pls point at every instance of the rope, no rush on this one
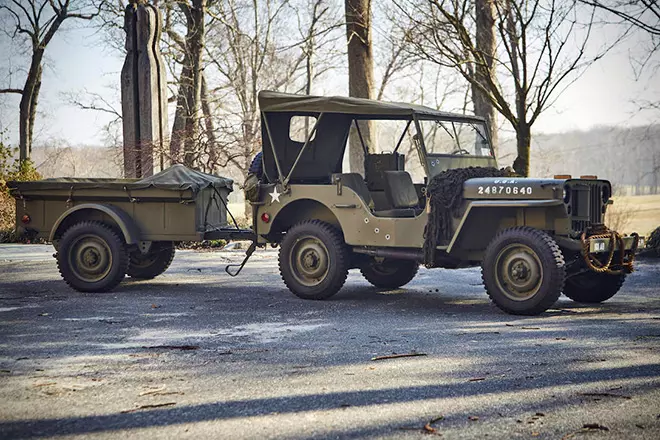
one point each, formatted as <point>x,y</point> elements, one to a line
<point>610,267</point>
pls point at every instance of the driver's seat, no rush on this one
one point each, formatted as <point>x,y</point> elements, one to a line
<point>400,191</point>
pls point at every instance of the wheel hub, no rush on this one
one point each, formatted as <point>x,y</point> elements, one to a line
<point>90,258</point>
<point>310,261</point>
<point>519,272</point>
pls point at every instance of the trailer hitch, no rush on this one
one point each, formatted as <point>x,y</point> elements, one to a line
<point>248,254</point>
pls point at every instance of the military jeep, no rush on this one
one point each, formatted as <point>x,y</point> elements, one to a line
<point>534,238</point>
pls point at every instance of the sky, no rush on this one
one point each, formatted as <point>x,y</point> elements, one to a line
<point>78,60</point>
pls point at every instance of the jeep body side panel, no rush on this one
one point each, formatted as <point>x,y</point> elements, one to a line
<point>341,206</point>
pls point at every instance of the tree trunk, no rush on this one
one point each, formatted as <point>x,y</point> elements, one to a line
<point>360,72</point>
<point>209,128</point>
<point>486,47</point>
<point>523,141</point>
<point>28,105</point>
<point>185,130</point>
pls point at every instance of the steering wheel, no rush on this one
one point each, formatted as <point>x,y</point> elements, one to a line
<point>461,151</point>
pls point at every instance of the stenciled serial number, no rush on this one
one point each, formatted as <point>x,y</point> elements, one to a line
<point>501,189</point>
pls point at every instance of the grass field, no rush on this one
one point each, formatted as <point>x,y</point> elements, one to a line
<point>635,214</point>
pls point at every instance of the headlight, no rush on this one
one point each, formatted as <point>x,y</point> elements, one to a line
<point>566,194</point>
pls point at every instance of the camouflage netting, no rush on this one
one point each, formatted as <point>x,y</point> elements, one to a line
<point>446,199</point>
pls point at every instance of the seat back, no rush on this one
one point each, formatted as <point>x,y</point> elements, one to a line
<point>356,182</point>
<point>400,190</point>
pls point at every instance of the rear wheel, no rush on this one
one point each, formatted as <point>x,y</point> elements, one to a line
<point>313,260</point>
<point>389,273</point>
<point>523,271</point>
<point>591,287</point>
<point>91,257</point>
<point>150,265</point>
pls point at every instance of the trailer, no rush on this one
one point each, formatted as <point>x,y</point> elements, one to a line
<point>104,229</point>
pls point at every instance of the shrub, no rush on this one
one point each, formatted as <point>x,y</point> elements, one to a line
<point>11,169</point>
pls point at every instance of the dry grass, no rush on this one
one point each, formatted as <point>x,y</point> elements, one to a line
<point>634,214</point>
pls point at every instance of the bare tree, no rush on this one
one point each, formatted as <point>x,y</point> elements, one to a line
<point>38,21</point>
<point>360,71</point>
<point>543,50</point>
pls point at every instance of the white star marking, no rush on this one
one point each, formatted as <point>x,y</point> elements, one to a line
<point>274,196</point>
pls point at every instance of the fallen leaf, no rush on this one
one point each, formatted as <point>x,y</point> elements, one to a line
<point>431,429</point>
<point>158,405</point>
<point>5,371</point>
<point>44,314</point>
<point>154,306</point>
<point>45,384</point>
<point>587,427</point>
<point>476,379</point>
<point>531,328</point>
<point>535,434</point>
<point>473,418</point>
<point>540,414</point>
<point>396,356</point>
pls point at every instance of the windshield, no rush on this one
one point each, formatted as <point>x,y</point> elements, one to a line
<point>455,138</point>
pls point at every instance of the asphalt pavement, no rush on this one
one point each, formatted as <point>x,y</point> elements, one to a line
<point>195,353</point>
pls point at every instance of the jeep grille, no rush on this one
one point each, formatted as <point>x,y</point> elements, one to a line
<point>585,203</point>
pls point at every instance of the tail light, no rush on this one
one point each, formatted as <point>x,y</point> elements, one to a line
<point>265,217</point>
<point>25,219</point>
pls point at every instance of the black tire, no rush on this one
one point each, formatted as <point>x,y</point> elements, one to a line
<point>257,165</point>
<point>154,263</point>
<point>523,271</point>
<point>92,257</point>
<point>313,260</point>
<point>591,287</point>
<point>390,273</point>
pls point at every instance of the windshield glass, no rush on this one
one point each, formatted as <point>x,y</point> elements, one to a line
<point>455,138</point>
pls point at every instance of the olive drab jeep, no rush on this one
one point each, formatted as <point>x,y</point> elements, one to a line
<point>534,238</point>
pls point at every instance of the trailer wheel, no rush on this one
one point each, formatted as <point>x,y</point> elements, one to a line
<point>313,260</point>
<point>389,273</point>
<point>591,287</point>
<point>523,271</point>
<point>92,257</point>
<point>150,265</point>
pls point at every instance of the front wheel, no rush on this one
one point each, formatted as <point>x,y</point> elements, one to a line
<point>389,273</point>
<point>313,260</point>
<point>523,271</point>
<point>91,257</point>
<point>591,287</point>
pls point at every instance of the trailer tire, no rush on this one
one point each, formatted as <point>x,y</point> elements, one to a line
<point>150,265</point>
<point>92,257</point>
<point>523,271</point>
<point>313,260</point>
<point>592,288</point>
<point>391,273</point>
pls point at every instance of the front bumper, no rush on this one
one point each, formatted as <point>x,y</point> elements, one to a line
<point>602,245</point>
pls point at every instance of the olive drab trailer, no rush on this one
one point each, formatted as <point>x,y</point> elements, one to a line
<point>103,229</point>
<point>534,238</point>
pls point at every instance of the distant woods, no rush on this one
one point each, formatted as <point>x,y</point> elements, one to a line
<point>505,60</point>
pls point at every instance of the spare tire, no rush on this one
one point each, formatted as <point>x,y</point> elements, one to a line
<point>257,165</point>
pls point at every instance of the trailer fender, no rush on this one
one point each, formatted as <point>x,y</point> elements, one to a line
<point>123,221</point>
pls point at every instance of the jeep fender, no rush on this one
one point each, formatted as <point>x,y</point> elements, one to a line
<point>128,228</point>
<point>484,218</point>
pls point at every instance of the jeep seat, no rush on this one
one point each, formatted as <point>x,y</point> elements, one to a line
<point>356,182</point>
<point>400,190</point>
